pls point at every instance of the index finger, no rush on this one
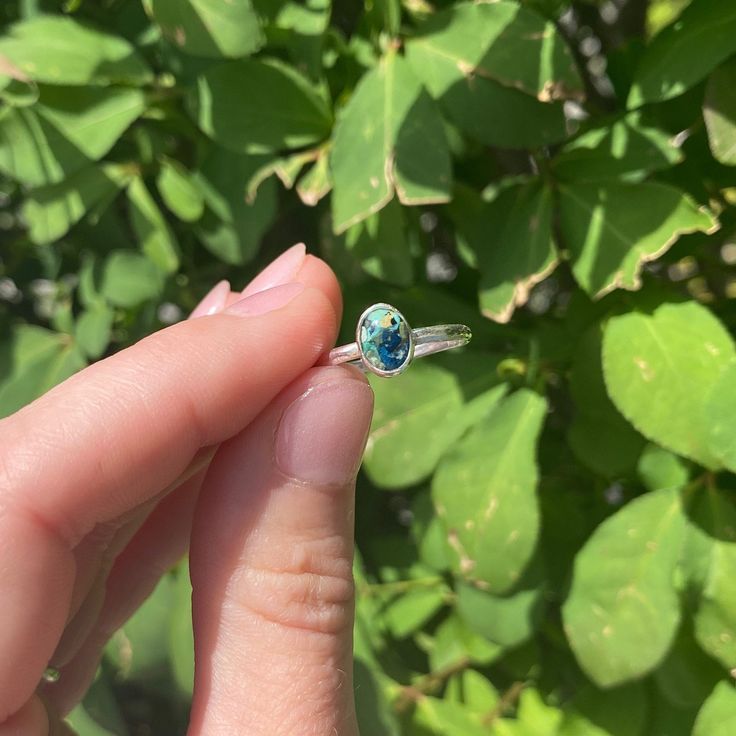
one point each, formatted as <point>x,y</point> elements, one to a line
<point>111,437</point>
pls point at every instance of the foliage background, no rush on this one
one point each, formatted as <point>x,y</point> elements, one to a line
<point>546,524</point>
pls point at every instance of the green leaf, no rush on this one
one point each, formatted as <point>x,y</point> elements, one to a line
<point>379,243</point>
<point>685,52</point>
<point>455,641</point>
<point>61,50</point>
<point>93,330</point>
<point>371,685</point>
<point>485,493</point>
<point>91,119</point>
<point>389,138</point>
<point>287,168</point>
<point>306,19</point>
<point>233,226</point>
<point>18,91</point>
<point>517,251</point>
<point>506,621</point>
<point>719,111</point>
<point>130,278</point>
<point>253,106</point>
<point>210,28</point>
<point>533,717</point>
<point>410,610</point>
<point>417,417</point>
<point>658,468</point>
<point>720,405</point>
<point>99,713</point>
<point>179,191</point>
<point>618,712</point>
<point>316,182</point>
<point>462,55</point>
<point>496,115</point>
<point>717,717</point>
<point>84,725</point>
<point>372,706</point>
<point>65,131</point>
<point>625,148</point>
<point>181,637</point>
<point>155,237</point>
<point>478,39</point>
<point>429,534</point>
<point>33,361</point>
<point>34,152</point>
<point>612,229</point>
<point>139,649</point>
<point>52,210</point>
<point>664,720</point>
<point>473,690</point>
<point>710,565</point>
<point>651,364</point>
<point>600,437</point>
<point>435,717</point>
<point>622,612</point>
<point>687,675</point>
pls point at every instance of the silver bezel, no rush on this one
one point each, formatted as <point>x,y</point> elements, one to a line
<point>366,363</point>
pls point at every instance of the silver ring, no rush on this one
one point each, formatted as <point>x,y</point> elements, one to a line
<point>385,344</point>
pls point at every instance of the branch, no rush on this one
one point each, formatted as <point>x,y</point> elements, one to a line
<point>505,703</point>
<point>429,683</point>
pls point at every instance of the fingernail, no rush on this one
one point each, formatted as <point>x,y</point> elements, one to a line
<point>214,300</point>
<point>281,271</point>
<point>322,434</point>
<point>266,301</point>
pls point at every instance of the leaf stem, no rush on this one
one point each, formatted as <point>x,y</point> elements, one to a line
<point>429,683</point>
<point>398,586</point>
<point>505,703</point>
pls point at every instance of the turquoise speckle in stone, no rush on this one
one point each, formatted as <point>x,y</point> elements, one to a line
<point>384,339</point>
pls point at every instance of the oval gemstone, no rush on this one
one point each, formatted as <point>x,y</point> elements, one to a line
<point>385,339</point>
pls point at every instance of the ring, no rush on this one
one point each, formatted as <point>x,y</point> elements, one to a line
<point>385,344</point>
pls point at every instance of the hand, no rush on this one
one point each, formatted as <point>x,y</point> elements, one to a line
<point>218,430</point>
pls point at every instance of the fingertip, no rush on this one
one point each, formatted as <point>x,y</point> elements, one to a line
<point>281,270</point>
<point>322,433</point>
<point>317,273</point>
<point>214,300</point>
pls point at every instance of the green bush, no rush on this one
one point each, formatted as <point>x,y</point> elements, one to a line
<point>546,523</point>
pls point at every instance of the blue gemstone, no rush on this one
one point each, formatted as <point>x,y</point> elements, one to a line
<point>385,339</point>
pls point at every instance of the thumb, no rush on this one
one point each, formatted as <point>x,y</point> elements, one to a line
<point>271,565</point>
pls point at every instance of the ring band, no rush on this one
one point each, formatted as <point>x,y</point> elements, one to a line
<point>385,344</point>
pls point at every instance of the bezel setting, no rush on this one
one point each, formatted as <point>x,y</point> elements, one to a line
<point>364,360</point>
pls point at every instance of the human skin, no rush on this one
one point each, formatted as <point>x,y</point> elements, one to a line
<point>221,435</point>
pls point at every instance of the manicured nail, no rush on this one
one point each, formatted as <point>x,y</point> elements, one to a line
<point>281,271</point>
<point>214,301</point>
<point>266,301</point>
<point>322,434</point>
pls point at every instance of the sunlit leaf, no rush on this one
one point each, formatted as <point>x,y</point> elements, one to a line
<point>717,717</point>
<point>621,617</point>
<point>155,237</point>
<point>210,28</point>
<point>613,229</point>
<point>684,52</point>
<point>254,106</point>
<point>33,360</point>
<point>651,363</point>
<point>61,50</point>
<point>485,493</point>
<point>419,415</point>
<point>52,210</point>
<point>388,139</point>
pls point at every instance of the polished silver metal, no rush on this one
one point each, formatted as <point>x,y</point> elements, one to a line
<point>422,341</point>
